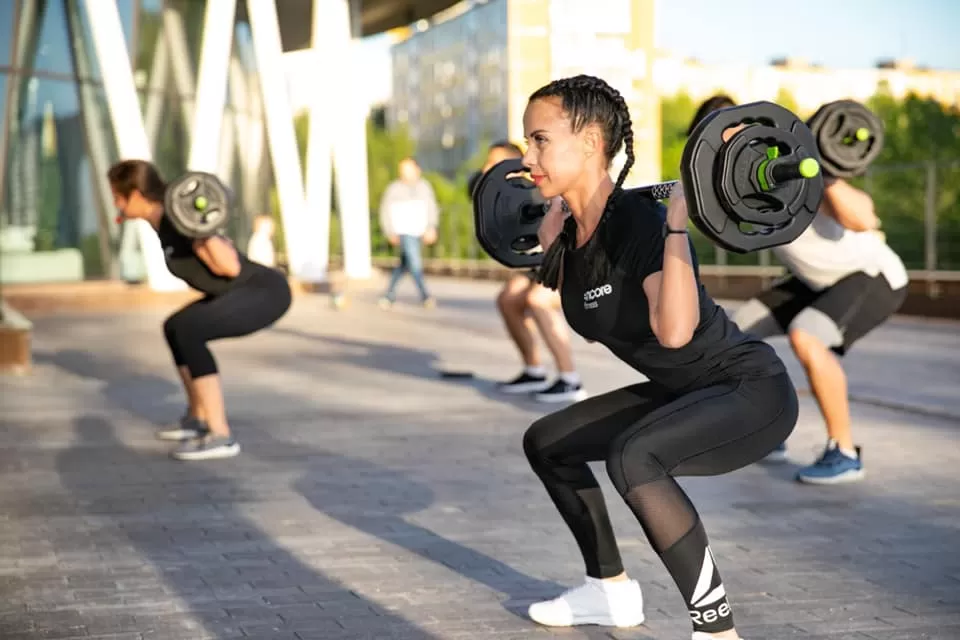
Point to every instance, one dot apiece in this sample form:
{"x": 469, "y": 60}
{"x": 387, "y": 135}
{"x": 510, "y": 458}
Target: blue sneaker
{"x": 833, "y": 467}
{"x": 777, "y": 455}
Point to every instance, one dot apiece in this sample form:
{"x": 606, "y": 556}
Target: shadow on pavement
{"x": 417, "y": 363}
{"x": 155, "y": 497}
{"x": 186, "y": 521}
{"x": 378, "y": 501}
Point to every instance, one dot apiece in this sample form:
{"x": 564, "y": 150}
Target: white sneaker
{"x": 700, "y": 635}
{"x": 601, "y": 602}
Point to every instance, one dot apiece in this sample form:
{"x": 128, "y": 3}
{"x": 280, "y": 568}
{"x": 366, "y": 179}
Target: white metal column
{"x": 322, "y": 114}
{"x": 299, "y": 230}
{"x": 350, "y": 144}
{"x": 248, "y": 128}
{"x": 211, "y": 94}
{"x": 156, "y": 90}
{"x": 175, "y": 33}
{"x": 131, "y": 136}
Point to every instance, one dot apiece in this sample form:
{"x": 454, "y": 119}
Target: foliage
{"x": 920, "y": 161}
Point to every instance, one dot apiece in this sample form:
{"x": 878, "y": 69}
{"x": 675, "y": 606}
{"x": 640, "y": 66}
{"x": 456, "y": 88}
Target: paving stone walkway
{"x": 376, "y": 499}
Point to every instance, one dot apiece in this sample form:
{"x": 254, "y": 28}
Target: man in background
{"x": 408, "y": 216}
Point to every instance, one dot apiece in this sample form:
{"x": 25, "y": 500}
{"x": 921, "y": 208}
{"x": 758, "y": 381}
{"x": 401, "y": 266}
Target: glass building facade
{"x": 57, "y": 219}
{"x": 449, "y": 84}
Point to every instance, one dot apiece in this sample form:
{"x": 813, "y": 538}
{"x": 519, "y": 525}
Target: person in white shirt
{"x": 260, "y": 246}
{"x": 844, "y": 281}
{"x": 408, "y": 217}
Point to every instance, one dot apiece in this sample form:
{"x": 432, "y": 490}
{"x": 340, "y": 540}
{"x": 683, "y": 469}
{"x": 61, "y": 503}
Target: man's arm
{"x": 851, "y": 207}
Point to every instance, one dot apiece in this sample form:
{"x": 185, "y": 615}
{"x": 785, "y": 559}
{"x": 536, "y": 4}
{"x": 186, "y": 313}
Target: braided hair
{"x": 589, "y": 100}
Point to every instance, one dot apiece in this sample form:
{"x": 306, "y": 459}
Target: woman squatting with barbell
{"x": 717, "y": 399}
{"x": 240, "y": 298}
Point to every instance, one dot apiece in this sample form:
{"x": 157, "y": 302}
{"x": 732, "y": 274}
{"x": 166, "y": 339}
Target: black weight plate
{"x": 738, "y": 182}
{"x": 834, "y": 125}
{"x": 198, "y": 204}
{"x": 702, "y": 167}
{"x": 507, "y": 213}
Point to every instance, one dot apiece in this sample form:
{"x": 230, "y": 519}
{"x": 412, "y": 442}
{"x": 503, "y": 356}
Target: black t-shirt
{"x": 184, "y": 263}
{"x": 616, "y": 313}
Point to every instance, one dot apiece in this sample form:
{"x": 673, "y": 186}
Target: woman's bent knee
{"x": 538, "y": 438}
{"x": 170, "y": 328}
{"x": 630, "y": 464}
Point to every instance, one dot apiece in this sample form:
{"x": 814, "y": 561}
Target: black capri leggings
{"x": 245, "y": 309}
{"x": 646, "y": 435}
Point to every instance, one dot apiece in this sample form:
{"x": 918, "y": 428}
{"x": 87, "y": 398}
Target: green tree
{"x": 676, "y": 113}
{"x": 921, "y": 143}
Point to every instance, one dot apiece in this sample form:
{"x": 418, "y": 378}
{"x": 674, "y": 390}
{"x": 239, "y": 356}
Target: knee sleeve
{"x": 755, "y": 318}
{"x": 819, "y": 325}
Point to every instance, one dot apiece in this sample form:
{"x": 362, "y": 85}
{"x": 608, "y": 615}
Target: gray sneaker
{"x": 188, "y": 427}
{"x": 207, "y": 447}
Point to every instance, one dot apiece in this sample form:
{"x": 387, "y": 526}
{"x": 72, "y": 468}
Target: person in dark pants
{"x": 716, "y": 399}
{"x": 409, "y": 215}
{"x": 240, "y": 298}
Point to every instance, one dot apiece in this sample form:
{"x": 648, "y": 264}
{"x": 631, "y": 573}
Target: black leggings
{"x": 646, "y": 436}
{"x": 249, "y": 307}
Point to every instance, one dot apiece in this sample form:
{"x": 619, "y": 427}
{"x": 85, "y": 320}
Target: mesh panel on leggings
{"x": 664, "y": 511}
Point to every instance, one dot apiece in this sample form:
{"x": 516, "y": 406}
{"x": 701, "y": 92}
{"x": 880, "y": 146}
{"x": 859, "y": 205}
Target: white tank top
{"x": 827, "y": 252}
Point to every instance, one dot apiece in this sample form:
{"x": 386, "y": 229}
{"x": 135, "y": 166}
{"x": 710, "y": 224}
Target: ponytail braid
{"x": 589, "y": 100}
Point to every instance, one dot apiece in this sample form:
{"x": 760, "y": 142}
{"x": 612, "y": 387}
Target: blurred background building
{"x": 462, "y": 81}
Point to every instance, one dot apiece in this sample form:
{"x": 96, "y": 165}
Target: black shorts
{"x": 840, "y": 315}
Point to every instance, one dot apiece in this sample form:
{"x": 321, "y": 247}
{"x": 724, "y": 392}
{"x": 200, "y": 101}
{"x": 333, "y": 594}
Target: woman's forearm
{"x": 677, "y": 305}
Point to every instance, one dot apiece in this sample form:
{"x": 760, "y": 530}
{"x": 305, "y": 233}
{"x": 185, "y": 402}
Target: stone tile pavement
{"x": 375, "y": 499}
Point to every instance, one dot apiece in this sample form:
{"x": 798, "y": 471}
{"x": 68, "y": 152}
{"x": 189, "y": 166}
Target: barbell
{"x": 198, "y": 204}
{"x": 759, "y": 189}
{"x": 849, "y": 137}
